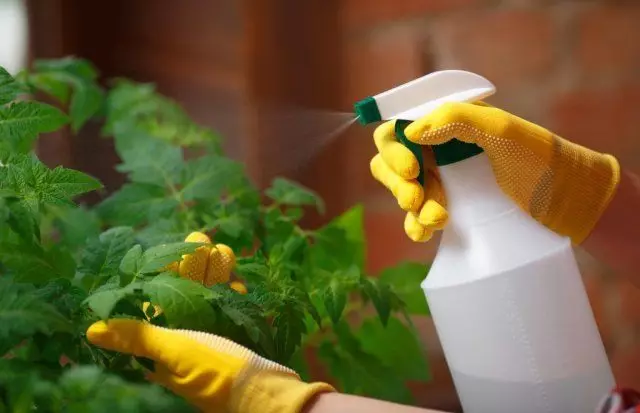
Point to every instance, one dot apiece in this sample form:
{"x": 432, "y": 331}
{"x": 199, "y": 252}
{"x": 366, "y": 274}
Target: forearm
{"x": 343, "y": 403}
{"x": 616, "y": 238}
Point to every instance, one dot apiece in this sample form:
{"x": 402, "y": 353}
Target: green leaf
{"x": 63, "y": 295}
{"x": 286, "y": 192}
{"x": 132, "y": 260}
{"x": 289, "y": 327}
{"x": 335, "y": 300}
{"x": 22, "y": 122}
{"x": 56, "y": 76}
{"x": 380, "y": 295}
{"x": 384, "y": 342}
{"x": 163, "y": 231}
{"x": 147, "y": 160}
{"x": 103, "y": 302}
{"x": 183, "y": 301}
{"x": 359, "y": 372}
{"x": 207, "y": 177}
{"x": 136, "y": 203}
{"x": 22, "y": 314}
{"x": 36, "y": 185}
{"x": 76, "y": 225}
{"x": 102, "y": 256}
{"x": 405, "y": 279}
{"x": 158, "y": 257}
{"x": 9, "y": 88}
{"x": 31, "y": 263}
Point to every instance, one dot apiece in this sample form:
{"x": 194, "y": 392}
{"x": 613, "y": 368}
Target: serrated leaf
{"x": 183, "y": 301}
{"x": 135, "y": 203}
{"x": 35, "y": 184}
{"x": 289, "y": 328}
{"x": 287, "y": 192}
{"x": 147, "y": 160}
{"x": 380, "y": 295}
{"x": 360, "y": 372}
{"x": 23, "y": 313}
{"x": 9, "y": 88}
{"x": 102, "y": 256}
{"x": 63, "y": 295}
{"x": 405, "y": 279}
{"x": 22, "y": 122}
{"x": 384, "y": 342}
{"x": 207, "y": 177}
{"x": 158, "y": 257}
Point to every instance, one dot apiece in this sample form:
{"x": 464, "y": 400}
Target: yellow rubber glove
{"x": 211, "y": 372}
{"x": 564, "y": 186}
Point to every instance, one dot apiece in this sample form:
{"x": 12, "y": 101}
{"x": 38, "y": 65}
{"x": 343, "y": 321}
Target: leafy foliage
{"x": 65, "y": 265}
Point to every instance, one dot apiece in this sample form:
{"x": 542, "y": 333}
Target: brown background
{"x": 572, "y": 66}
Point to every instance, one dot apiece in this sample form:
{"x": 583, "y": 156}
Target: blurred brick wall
{"x": 571, "y": 66}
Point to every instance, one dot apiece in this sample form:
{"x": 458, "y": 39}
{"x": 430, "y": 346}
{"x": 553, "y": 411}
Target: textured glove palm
{"x": 211, "y": 372}
{"x": 564, "y": 186}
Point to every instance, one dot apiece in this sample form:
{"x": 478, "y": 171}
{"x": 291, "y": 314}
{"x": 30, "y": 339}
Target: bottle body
{"x": 509, "y": 305}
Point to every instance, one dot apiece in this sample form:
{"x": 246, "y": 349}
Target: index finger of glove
{"x": 397, "y": 157}
{"x": 137, "y": 338}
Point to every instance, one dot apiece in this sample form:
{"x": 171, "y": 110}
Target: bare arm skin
{"x": 343, "y": 403}
{"x": 616, "y": 238}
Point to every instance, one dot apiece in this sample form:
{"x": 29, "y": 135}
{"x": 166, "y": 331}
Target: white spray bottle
{"x": 505, "y": 292}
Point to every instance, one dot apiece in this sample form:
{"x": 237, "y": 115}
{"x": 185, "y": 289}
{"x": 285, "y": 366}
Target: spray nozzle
{"x": 412, "y": 100}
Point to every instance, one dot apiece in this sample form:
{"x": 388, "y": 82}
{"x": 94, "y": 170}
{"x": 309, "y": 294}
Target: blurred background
{"x": 570, "y": 65}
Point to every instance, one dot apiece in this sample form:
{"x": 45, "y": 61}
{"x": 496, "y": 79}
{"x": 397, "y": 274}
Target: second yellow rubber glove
{"x": 564, "y": 186}
{"x": 211, "y": 372}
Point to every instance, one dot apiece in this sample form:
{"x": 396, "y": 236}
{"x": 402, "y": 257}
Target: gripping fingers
{"x": 408, "y": 193}
{"x": 415, "y": 230}
{"x": 397, "y": 157}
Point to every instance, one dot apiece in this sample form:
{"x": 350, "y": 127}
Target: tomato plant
{"x": 64, "y": 264}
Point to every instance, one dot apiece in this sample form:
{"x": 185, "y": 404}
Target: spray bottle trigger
{"x": 415, "y": 148}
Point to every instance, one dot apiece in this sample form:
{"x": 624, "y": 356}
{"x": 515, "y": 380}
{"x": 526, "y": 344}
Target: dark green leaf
{"x": 158, "y": 257}
{"x": 384, "y": 342}
{"x": 335, "y": 300}
{"x": 76, "y": 225}
{"x": 405, "y": 279}
{"x": 31, "y": 263}
{"x": 63, "y": 295}
{"x": 102, "y": 256}
{"x": 23, "y": 313}
{"x": 380, "y": 295}
{"x": 9, "y": 88}
{"x": 289, "y": 325}
{"x": 136, "y": 203}
{"x": 22, "y": 122}
{"x": 163, "y": 231}
{"x": 287, "y": 192}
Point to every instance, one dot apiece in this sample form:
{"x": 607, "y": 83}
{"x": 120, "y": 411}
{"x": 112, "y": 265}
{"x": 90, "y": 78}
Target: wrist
{"x": 270, "y": 392}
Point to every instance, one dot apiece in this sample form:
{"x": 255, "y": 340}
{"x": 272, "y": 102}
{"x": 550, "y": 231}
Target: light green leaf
{"x": 136, "y": 203}
{"x": 148, "y": 160}
{"x": 35, "y": 184}
{"x": 286, "y": 192}
{"x": 163, "y": 231}
{"x": 207, "y": 177}
{"x": 158, "y": 257}
{"x": 405, "y": 279}
{"x": 183, "y": 301}
{"x": 397, "y": 347}
{"x": 22, "y": 122}
{"x": 103, "y": 302}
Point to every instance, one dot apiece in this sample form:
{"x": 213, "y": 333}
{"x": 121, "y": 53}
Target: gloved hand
{"x": 211, "y": 372}
{"x": 564, "y": 186}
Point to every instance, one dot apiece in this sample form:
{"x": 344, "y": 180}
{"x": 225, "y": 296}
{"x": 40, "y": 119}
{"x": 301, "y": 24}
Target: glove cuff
{"x": 273, "y": 392}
